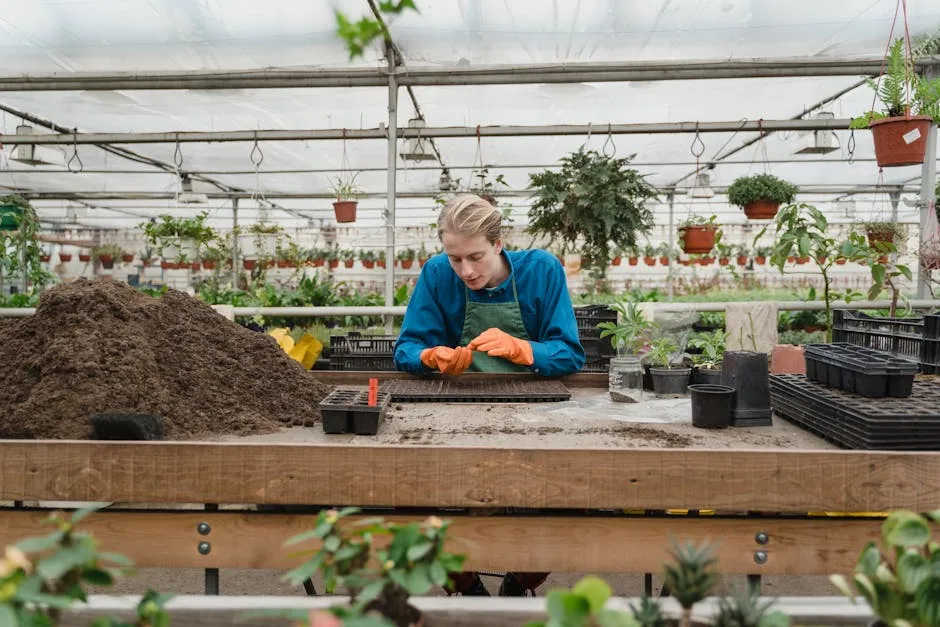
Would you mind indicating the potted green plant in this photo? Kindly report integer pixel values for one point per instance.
(761, 195)
(380, 258)
(593, 204)
(901, 580)
(708, 363)
(698, 234)
(724, 254)
(667, 380)
(649, 255)
(348, 257)
(423, 255)
(883, 231)
(368, 258)
(742, 252)
(406, 257)
(11, 211)
(911, 103)
(690, 577)
(106, 254)
(344, 208)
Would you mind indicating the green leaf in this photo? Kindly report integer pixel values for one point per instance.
(904, 528)
(912, 569)
(595, 590)
(927, 599)
(40, 543)
(774, 619)
(347, 552)
(615, 618)
(348, 511)
(98, 577)
(935, 515)
(840, 582)
(64, 560)
(865, 587)
(418, 551)
(878, 273)
(905, 271)
(437, 573)
(419, 581)
(370, 592)
(331, 543)
(306, 535)
(566, 607)
(7, 616)
(868, 560)
(399, 577)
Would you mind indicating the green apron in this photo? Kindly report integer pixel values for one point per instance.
(504, 316)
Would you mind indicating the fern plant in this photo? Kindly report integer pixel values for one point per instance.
(898, 83)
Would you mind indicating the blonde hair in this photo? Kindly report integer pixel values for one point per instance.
(468, 214)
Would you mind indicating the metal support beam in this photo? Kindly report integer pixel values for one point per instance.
(440, 131)
(391, 184)
(319, 195)
(234, 243)
(454, 75)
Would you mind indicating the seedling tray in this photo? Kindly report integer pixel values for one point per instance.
(859, 370)
(362, 352)
(348, 411)
(850, 421)
(464, 391)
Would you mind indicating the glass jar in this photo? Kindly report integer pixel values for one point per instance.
(626, 379)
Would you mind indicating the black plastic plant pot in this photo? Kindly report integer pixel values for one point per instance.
(748, 373)
(861, 370)
(706, 376)
(711, 405)
(810, 369)
(366, 419)
(647, 379)
(671, 381)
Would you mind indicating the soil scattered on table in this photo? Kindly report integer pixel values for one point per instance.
(665, 439)
(102, 346)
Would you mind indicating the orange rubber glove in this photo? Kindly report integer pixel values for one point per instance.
(447, 360)
(497, 343)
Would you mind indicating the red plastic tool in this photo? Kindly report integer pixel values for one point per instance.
(373, 392)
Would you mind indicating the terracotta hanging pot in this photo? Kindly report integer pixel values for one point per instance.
(345, 210)
(368, 263)
(650, 261)
(65, 257)
(208, 265)
(615, 261)
(900, 141)
(698, 239)
(127, 258)
(407, 263)
(84, 257)
(761, 210)
(742, 260)
(349, 262)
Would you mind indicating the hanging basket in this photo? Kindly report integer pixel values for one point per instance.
(10, 216)
(345, 210)
(900, 141)
(762, 210)
(876, 235)
(698, 239)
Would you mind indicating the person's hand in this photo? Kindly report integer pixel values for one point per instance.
(498, 343)
(447, 360)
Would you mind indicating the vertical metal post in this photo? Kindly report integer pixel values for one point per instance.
(671, 199)
(754, 583)
(648, 584)
(928, 199)
(895, 197)
(392, 177)
(212, 574)
(234, 243)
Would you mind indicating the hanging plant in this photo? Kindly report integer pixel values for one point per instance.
(346, 192)
(593, 205)
(698, 235)
(20, 251)
(761, 195)
(911, 103)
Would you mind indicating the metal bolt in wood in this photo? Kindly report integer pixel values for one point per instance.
(203, 528)
(760, 557)
(204, 548)
(761, 538)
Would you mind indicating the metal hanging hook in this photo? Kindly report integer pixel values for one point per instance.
(588, 140)
(851, 146)
(75, 156)
(178, 154)
(260, 153)
(609, 140)
(698, 146)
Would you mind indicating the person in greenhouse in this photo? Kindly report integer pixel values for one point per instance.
(481, 308)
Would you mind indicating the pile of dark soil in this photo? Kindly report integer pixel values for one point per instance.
(102, 346)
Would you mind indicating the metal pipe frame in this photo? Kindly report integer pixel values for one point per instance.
(132, 195)
(651, 128)
(431, 76)
(326, 312)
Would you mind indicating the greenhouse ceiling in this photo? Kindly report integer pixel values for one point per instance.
(96, 44)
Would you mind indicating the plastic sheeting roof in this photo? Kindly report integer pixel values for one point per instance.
(44, 36)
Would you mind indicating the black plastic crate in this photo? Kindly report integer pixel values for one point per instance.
(901, 337)
(596, 364)
(356, 343)
(859, 370)
(364, 362)
(348, 411)
(589, 316)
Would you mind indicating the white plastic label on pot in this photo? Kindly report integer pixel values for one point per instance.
(911, 136)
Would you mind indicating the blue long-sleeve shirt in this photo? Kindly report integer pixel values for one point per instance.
(435, 313)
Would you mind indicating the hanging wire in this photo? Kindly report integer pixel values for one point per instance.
(609, 140)
(256, 150)
(75, 156)
(884, 58)
(178, 155)
(588, 139)
(257, 191)
(851, 146)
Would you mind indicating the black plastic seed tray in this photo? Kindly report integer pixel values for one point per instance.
(348, 411)
(355, 343)
(464, 391)
(911, 423)
(368, 363)
(859, 370)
